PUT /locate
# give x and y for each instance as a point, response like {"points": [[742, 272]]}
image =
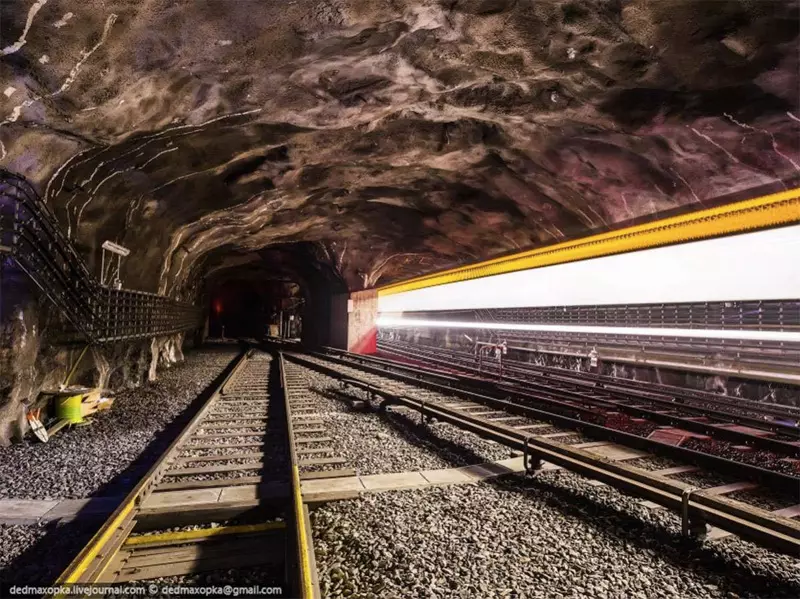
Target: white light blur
{"points": [[748, 335], [764, 265]]}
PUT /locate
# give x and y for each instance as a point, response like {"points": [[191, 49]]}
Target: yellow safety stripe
{"points": [[191, 535], [95, 545], [777, 209], [302, 538]]}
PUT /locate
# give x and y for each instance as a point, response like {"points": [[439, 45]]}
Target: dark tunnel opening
{"points": [[279, 291], [254, 309]]}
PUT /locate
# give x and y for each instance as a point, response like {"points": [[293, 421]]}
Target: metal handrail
{"points": [[29, 233]]}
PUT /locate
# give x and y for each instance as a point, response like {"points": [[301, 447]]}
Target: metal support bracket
{"points": [[424, 418], [530, 460], [691, 526]]}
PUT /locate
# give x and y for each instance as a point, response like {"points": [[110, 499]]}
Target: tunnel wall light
{"points": [[400, 321], [763, 265]]}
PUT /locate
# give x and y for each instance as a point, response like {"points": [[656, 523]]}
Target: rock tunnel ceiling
{"points": [[384, 139]]}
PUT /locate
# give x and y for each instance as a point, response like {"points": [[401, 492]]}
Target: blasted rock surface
{"points": [[396, 136]]}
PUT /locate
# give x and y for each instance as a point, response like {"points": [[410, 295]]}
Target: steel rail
{"points": [[768, 211], [90, 563], [607, 382], [306, 584], [516, 385], [753, 524], [521, 387], [773, 479]]}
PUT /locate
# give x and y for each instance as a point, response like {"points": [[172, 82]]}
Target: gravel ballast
{"points": [[37, 554], [555, 536], [81, 462], [394, 441]]}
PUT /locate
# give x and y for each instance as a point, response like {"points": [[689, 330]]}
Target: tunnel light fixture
{"points": [[110, 273], [756, 266], [116, 249], [748, 335]]}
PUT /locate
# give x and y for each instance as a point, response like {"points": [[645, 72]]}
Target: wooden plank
{"points": [[236, 418], [255, 403], [530, 427], [57, 427], [220, 446], [151, 544], [321, 462], [310, 451], [205, 484], [590, 444], [729, 488], [269, 553], [793, 511], [557, 435], [336, 473], [217, 427], [192, 550], [214, 469], [675, 470], [299, 439], [219, 458], [229, 435]]}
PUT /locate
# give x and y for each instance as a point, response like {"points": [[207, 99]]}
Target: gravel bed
{"points": [[245, 519], [224, 411], [550, 430], [78, 463], [223, 442], [395, 441], [573, 439], [232, 419], [37, 554], [653, 463], [703, 479], [247, 430], [264, 576], [766, 501], [220, 451], [759, 457], [559, 537], [199, 461], [267, 472]]}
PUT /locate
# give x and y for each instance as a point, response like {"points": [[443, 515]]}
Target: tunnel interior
{"points": [[271, 292], [341, 146]]}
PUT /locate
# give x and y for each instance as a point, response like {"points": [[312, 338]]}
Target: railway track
{"points": [[763, 442], [763, 415], [551, 439], [673, 416], [224, 498]]}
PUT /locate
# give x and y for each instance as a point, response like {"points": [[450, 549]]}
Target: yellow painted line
{"points": [[95, 545], [302, 538], [191, 535], [778, 209]]}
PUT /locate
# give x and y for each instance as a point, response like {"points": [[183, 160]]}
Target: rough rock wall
{"points": [[33, 366], [393, 137], [408, 135]]}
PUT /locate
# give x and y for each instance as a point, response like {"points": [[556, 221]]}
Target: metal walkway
{"points": [[29, 233]]}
